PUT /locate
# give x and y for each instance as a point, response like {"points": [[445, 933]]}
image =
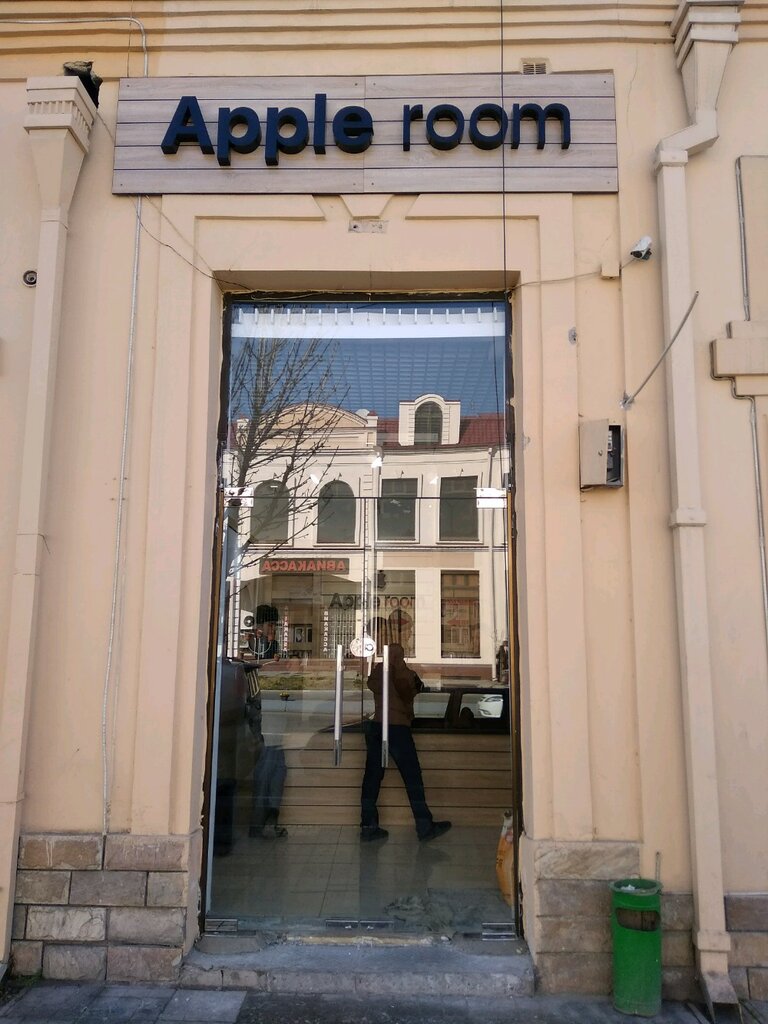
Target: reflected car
{"points": [[466, 709], [491, 705]]}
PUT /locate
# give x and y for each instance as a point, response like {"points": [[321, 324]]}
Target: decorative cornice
{"points": [[60, 102]]}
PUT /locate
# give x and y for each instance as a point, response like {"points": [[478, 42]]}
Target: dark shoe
{"points": [[268, 832], [437, 828], [370, 832]]}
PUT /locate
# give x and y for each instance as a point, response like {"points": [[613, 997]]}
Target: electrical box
{"points": [[601, 454]]}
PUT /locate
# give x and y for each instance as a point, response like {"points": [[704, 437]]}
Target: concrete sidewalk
{"points": [[66, 1003]]}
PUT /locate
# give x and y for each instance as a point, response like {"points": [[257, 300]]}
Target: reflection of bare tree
{"points": [[284, 404]]}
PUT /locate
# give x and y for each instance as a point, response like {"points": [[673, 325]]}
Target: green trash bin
{"points": [[636, 931]]}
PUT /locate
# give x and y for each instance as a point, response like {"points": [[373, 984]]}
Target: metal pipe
{"points": [[338, 706], [385, 710]]}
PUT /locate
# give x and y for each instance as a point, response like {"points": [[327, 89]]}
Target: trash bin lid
{"points": [[637, 886]]}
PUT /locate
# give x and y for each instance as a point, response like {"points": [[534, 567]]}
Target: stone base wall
{"points": [[567, 906], [122, 908], [746, 917]]}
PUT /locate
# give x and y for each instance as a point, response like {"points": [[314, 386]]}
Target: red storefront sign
{"points": [[289, 565]]}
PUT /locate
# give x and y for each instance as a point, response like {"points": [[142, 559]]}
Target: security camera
{"points": [[642, 250]]}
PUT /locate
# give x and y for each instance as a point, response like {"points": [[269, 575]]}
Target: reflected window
{"points": [[460, 614], [269, 518], [458, 508], [428, 427], [336, 514], [397, 510]]}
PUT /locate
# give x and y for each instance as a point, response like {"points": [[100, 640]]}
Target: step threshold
{"points": [[372, 965]]}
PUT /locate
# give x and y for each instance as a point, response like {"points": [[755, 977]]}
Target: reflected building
{"points": [[369, 524]]}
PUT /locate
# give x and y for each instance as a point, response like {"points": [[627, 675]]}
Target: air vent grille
{"points": [[531, 66]]}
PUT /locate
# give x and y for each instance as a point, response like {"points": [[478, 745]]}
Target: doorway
{"points": [[365, 460]]}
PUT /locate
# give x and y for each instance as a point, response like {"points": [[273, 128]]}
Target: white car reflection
{"points": [[491, 705]]}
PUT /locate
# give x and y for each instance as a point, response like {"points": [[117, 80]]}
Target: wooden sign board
{"points": [[391, 133]]}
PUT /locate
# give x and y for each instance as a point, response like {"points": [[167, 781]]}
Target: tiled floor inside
{"points": [[320, 872]]}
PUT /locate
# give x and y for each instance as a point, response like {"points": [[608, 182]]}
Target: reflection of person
{"points": [[232, 697], [502, 662], [377, 628], [404, 684], [400, 627], [262, 645], [269, 770]]}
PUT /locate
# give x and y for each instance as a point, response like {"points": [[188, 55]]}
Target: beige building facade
{"points": [[637, 615]]}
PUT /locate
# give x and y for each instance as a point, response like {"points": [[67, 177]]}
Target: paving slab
{"points": [[60, 1002], [271, 1009], [212, 1007]]}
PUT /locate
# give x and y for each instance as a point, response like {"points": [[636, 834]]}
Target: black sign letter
{"points": [[445, 112], [410, 114], [187, 125], [353, 129], [540, 115], [245, 143], [489, 112], [276, 143], [318, 133]]}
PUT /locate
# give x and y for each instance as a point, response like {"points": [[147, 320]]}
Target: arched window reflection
{"points": [[336, 514], [269, 518], [428, 426]]}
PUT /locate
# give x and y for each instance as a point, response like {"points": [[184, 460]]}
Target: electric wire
{"points": [[628, 400]]}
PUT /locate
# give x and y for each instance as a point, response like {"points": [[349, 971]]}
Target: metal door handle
{"points": [[338, 707], [385, 710]]}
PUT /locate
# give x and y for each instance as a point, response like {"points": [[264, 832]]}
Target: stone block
{"points": [[677, 949], [193, 976], [595, 860], [108, 888], [748, 949], [676, 911], [62, 853], [740, 981], [42, 887], [758, 982], [143, 963], [75, 963], [27, 958], [237, 977], [167, 889], [747, 912], [146, 853], [147, 925], [67, 924], [679, 983], [569, 935], [19, 923], [571, 899], [583, 973]]}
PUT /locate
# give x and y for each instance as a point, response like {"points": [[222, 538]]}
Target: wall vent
{"points": [[534, 66]]}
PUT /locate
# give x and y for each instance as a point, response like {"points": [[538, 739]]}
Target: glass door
{"points": [[366, 459]]}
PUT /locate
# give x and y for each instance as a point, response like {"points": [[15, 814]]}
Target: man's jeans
{"points": [[403, 752]]}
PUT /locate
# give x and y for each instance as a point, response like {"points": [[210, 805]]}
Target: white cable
{"points": [[627, 400], [119, 524]]}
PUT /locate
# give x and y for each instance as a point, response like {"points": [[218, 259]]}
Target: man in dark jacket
{"points": [[404, 684]]}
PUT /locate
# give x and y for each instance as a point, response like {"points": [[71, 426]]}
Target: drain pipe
{"points": [[704, 38]]}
